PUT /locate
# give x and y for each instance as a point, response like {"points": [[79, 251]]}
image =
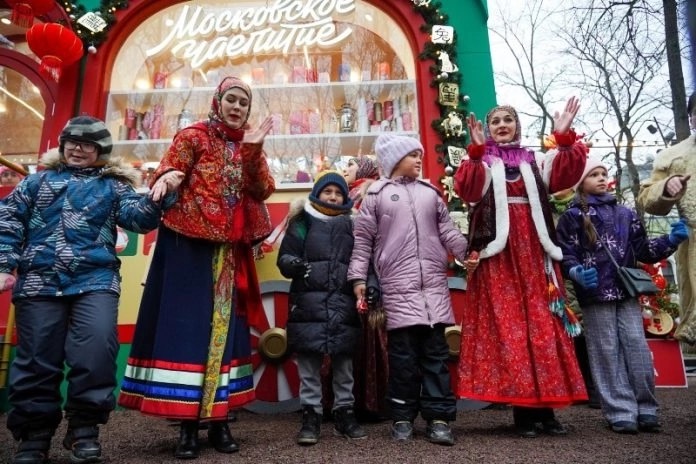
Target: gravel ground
{"points": [[483, 436]]}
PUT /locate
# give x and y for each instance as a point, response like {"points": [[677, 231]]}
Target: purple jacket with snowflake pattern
{"points": [[622, 231]]}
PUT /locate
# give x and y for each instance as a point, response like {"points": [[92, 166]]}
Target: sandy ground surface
{"points": [[482, 436]]}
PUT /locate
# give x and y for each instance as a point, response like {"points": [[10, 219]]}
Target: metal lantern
{"points": [[23, 11], [56, 46]]}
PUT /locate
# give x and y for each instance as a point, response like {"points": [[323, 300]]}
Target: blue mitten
{"points": [[679, 232], [586, 278]]}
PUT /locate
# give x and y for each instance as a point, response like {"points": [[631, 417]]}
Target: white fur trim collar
{"points": [[502, 214], [538, 213]]}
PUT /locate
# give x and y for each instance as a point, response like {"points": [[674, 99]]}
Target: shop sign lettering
{"points": [[201, 35]]}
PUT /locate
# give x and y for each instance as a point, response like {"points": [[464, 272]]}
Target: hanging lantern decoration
{"points": [[23, 11], [56, 46]]}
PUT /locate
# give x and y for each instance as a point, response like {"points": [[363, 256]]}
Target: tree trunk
{"points": [[676, 74]]}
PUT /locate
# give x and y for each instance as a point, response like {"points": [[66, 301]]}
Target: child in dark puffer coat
{"points": [[323, 319]]}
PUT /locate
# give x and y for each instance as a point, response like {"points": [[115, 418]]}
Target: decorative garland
{"points": [[107, 12], [451, 125]]}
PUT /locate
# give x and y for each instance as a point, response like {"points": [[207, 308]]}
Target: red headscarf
{"points": [[215, 116]]}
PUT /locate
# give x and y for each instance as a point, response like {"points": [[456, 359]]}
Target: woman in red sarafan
{"points": [[371, 363], [516, 346]]}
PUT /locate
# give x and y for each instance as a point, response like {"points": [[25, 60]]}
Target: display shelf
{"points": [[332, 145], [288, 155], [380, 89], [306, 116]]}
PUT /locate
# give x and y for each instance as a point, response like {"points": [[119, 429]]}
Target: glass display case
{"points": [[327, 100]]}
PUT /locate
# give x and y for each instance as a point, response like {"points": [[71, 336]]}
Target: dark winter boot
{"points": [[311, 423], [33, 447], [83, 443], [188, 447], [346, 425], [525, 423], [439, 432], [220, 437]]}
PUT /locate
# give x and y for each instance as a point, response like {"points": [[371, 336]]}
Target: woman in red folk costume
{"points": [[371, 363], [360, 173], [191, 353], [516, 348]]}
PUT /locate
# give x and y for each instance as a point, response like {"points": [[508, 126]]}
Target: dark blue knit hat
{"points": [[326, 178]]}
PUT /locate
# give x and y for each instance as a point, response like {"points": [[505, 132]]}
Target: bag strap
{"points": [[604, 245]]}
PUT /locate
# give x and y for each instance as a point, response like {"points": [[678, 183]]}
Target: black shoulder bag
{"points": [[636, 281]]}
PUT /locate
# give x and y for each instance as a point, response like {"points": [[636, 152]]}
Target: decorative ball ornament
{"points": [[660, 281], [647, 313], [449, 170], [92, 49]]}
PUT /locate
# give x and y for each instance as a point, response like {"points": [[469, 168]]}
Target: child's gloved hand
{"points": [[586, 278], [372, 297], [679, 232], [300, 268], [7, 281]]}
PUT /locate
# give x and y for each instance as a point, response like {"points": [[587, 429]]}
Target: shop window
{"points": [[22, 110], [331, 80]]}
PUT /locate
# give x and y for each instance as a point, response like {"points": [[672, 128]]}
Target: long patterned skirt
{"points": [[191, 354], [513, 349]]}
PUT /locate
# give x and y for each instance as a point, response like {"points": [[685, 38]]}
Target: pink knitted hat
{"points": [[590, 164], [392, 148]]}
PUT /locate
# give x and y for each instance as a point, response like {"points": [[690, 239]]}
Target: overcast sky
{"points": [[502, 61]]}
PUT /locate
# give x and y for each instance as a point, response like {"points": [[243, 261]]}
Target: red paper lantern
{"points": [[56, 46], [23, 11]]}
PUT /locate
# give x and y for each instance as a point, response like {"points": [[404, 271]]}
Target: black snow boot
{"points": [[83, 443], [188, 447], [220, 437], [33, 447], [346, 425], [311, 423]]}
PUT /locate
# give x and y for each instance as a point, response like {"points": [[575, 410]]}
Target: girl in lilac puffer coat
{"points": [[405, 227]]}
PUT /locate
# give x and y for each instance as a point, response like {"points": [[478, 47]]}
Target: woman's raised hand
{"points": [[257, 135], [475, 130], [563, 121], [167, 182]]}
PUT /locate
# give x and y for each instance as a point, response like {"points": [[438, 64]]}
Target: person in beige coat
{"points": [[668, 186]]}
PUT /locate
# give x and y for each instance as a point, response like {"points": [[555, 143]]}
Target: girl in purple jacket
{"points": [[620, 360], [403, 225]]}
